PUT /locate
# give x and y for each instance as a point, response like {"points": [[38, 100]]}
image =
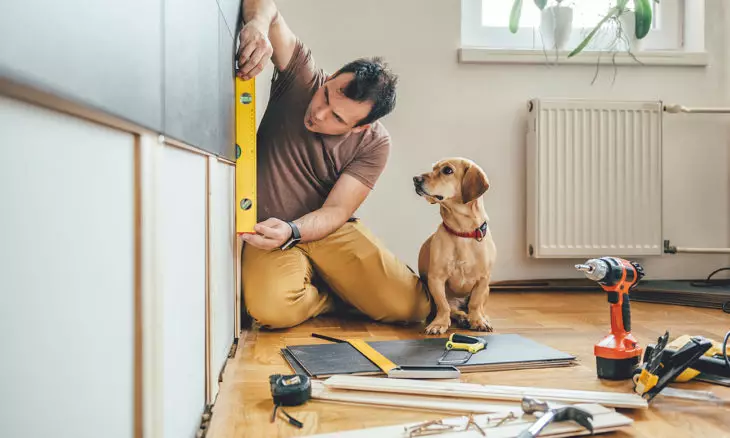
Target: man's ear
{"points": [[474, 184]]}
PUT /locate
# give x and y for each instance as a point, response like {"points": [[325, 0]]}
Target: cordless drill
{"points": [[617, 354]]}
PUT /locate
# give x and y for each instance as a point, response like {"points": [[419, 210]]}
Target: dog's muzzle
{"points": [[418, 183]]}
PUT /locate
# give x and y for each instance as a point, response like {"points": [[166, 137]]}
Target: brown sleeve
{"points": [[370, 163], [300, 74]]}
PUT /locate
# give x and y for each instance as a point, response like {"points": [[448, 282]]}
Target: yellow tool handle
{"points": [[378, 359], [644, 381], [471, 348]]}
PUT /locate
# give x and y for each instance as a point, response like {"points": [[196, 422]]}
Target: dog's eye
{"points": [[447, 170]]}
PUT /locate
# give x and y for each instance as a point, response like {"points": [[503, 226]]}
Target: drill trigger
{"points": [[613, 297]]}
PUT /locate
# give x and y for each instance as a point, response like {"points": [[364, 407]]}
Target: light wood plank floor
{"points": [[570, 322]]}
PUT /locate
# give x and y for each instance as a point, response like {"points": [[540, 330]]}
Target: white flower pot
{"points": [[556, 24], [628, 24]]}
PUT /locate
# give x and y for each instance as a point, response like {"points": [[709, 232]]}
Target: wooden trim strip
{"points": [[138, 310], [50, 100], [237, 317], [208, 389], [411, 402], [63, 104], [180, 145], [488, 392]]}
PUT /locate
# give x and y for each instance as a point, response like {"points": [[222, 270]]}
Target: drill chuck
{"points": [[594, 269]]}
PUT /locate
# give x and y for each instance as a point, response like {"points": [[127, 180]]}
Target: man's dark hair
{"points": [[373, 82]]}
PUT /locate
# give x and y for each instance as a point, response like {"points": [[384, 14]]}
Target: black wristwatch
{"points": [[295, 238]]}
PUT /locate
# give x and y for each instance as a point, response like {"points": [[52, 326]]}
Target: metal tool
{"points": [[468, 344], [289, 390], [391, 369], [618, 353], [567, 413], [662, 366]]}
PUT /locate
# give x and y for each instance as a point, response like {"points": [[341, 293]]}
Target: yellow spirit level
{"points": [[246, 206]]}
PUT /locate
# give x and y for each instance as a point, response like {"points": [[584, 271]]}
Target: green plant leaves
{"points": [[615, 10], [541, 4], [642, 12], [514, 16]]}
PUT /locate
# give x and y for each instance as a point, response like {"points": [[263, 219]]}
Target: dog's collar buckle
{"points": [[481, 232]]}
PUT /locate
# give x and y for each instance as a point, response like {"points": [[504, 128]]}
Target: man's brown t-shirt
{"points": [[297, 168]]}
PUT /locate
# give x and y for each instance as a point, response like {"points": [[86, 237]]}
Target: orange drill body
{"points": [[618, 352]]}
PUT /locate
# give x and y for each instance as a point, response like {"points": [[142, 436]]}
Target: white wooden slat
{"points": [[489, 392], [181, 223], [410, 401], [66, 275], [222, 273]]}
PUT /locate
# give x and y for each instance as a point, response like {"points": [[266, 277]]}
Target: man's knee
{"points": [[272, 307], [270, 295], [273, 316]]}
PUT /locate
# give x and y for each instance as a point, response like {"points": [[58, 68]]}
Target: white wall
{"points": [[446, 108]]}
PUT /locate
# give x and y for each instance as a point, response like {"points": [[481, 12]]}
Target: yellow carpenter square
{"points": [[246, 205], [378, 359]]}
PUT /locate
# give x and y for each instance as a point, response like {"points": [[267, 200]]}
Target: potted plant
{"points": [[632, 25], [556, 25]]}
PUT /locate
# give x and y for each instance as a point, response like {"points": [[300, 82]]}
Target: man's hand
{"points": [[255, 49], [271, 234]]}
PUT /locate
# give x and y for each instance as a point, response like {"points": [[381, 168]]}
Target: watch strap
{"points": [[295, 238]]}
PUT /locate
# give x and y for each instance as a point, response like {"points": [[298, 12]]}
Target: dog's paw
{"points": [[480, 323], [438, 327]]}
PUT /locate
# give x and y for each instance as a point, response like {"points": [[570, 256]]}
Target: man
{"points": [[320, 151]]}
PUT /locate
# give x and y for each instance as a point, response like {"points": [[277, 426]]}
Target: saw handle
{"points": [[464, 342]]}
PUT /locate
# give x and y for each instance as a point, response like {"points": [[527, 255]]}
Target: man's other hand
{"points": [[271, 234], [254, 49]]}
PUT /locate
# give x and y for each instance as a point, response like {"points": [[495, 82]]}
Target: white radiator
{"points": [[594, 178]]}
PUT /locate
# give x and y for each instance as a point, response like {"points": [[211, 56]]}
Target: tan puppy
{"points": [[457, 259]]}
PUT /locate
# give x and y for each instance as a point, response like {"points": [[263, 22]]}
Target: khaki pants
{"points": [[285, 288]]}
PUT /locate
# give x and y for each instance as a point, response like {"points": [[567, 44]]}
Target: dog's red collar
{"points": [[477, 234]]}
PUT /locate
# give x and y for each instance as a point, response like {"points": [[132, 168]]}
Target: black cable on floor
{"points": [[715, 283], [724, 349]]}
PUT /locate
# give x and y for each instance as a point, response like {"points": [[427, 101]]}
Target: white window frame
{"points": [[668, 37]]}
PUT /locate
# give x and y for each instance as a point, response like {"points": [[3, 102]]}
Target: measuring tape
{"points": [[246, 206], [289, 390]]}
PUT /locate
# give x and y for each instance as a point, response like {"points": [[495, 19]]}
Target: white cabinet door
{"points": [[222, 266], [66, 275], [181, 227]]}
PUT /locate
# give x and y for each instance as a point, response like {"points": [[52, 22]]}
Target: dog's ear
{"points": [[474, 184]]}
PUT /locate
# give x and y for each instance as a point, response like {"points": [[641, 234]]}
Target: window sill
{"points": [[481, 55]]}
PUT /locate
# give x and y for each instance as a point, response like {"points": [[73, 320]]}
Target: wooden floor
{"points": [[570, 322]]}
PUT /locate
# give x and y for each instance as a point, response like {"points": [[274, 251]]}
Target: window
{"points": [[485, 24]]}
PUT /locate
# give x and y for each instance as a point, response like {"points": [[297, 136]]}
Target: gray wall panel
{"points": [[191, 72], [231, 9], [226, 87], [104, 54]]}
